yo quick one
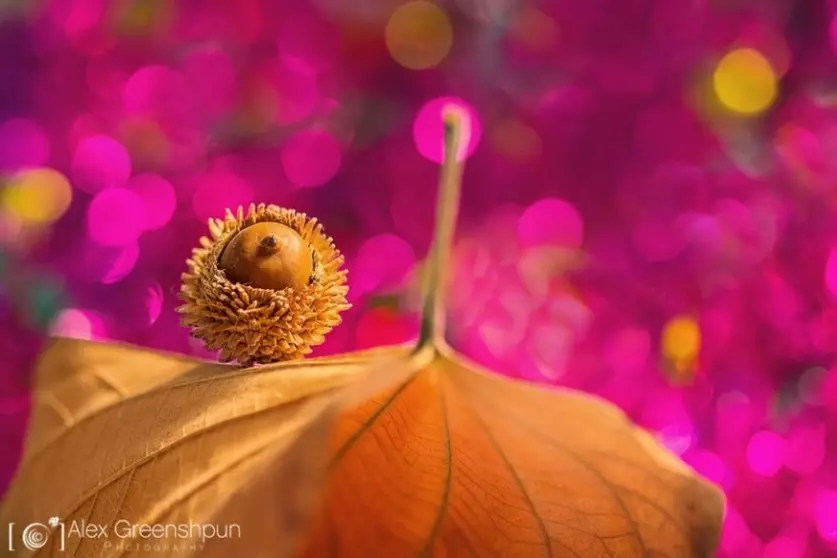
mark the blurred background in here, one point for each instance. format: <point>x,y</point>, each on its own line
<point>649,211</point>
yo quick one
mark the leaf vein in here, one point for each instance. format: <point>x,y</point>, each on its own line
<point>427,551</point>
<point>227,375</point>
<point>612,489</point>
<point>131,468</point>
<point>516,477</point>
<point>370,422</point>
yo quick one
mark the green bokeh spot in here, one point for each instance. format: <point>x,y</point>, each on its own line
<point>45,299</point>
<point>785,403</point>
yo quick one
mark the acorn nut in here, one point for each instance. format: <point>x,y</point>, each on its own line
<point>268,255</point>
<point>267,286</point>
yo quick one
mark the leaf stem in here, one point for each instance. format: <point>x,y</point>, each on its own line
<point>432,332</point>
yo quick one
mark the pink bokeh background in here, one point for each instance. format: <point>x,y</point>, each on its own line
<point>624,231</point>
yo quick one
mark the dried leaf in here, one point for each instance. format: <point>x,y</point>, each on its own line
<point>103,447</point>
<point>76,379</point>
<point>455,461</point>
<point>400,451</point>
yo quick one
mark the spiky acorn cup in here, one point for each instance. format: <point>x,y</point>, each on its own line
<point>264,293</point>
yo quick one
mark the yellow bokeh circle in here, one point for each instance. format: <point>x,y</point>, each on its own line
<point>745,82</point>
<point>681,339</point>
<point>37,196</point>
<point>419,35</point>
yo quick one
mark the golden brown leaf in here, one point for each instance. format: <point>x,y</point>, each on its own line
<point>76,379</point>
<point>455,461</point>
<point>177,448</point>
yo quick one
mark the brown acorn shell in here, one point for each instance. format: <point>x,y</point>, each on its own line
<point>250,325</point>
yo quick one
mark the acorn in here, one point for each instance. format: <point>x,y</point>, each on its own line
<point>268,255</point>
<point>266,287</point>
